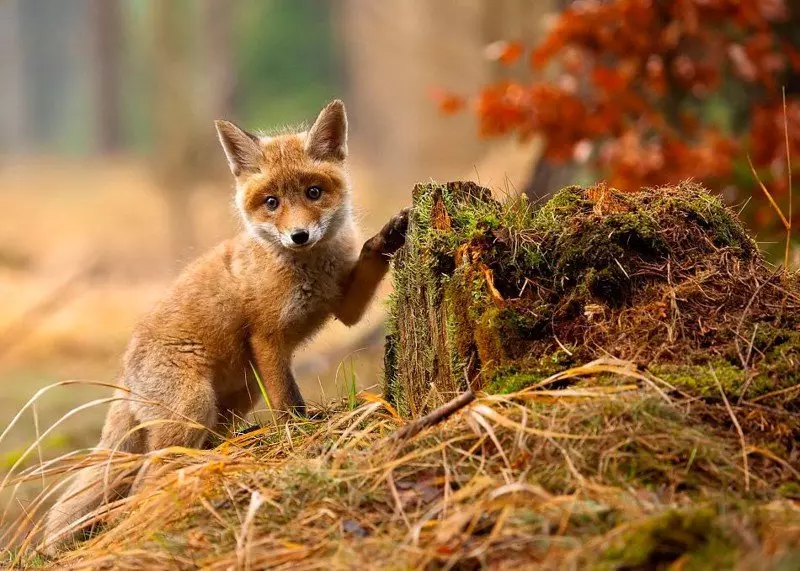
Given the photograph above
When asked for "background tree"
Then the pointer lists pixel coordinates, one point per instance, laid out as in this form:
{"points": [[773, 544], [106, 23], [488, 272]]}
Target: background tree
{"points": [[175, 121], [106, 39]]}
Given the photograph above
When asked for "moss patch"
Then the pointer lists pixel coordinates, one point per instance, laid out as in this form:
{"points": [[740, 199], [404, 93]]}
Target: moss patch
{"points": [[693, 536]]}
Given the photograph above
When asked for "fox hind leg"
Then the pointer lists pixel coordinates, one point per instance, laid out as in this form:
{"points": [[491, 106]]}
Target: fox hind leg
{"points": [[183, 421]]}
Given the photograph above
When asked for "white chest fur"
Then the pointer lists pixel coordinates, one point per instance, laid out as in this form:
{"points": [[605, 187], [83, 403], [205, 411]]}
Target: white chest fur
{"points": [[317, 281]]}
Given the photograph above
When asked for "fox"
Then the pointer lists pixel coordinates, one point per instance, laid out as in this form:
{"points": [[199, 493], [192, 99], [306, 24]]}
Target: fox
{"points": [[247, 304]]}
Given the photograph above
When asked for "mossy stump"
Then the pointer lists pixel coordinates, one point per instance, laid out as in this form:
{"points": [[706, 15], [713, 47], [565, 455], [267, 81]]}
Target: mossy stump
{"points": [[498, 296], [425, 359]]}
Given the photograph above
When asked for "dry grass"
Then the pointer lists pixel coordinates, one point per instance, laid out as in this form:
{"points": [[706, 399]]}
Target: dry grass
{"points": [[614, 469]]}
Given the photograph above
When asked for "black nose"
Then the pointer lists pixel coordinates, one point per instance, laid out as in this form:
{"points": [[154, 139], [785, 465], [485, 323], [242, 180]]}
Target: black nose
{"points": [[299, 237]]}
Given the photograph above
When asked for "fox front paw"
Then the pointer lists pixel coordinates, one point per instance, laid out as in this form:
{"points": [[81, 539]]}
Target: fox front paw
{"points": [[391, 237]]}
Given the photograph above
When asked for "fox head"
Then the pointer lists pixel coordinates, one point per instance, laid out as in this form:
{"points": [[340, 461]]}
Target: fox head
{"points": [[292, 190]]}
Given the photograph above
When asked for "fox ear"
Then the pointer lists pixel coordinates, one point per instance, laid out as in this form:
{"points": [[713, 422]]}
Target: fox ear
{"points": [[240, 147], [327, 138]]}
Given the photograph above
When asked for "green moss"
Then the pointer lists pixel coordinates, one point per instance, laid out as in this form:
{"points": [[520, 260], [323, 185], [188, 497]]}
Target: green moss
{"points": [[693, 536], [488, 340], [513, 382], [767, 337], [776, 371], [597, 247], [522, 374], [711, 213], [702, 379], [564, 205]]}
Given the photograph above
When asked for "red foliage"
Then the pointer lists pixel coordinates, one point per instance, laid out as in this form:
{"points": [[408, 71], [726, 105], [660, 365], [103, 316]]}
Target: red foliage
{"points": [[636, 80]]}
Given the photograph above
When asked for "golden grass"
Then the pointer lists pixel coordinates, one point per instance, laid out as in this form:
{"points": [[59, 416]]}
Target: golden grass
{"points": [[616, 469]]}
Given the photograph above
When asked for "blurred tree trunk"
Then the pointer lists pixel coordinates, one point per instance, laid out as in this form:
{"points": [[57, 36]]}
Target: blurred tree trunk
{"points": [[13, 136], [174, 122], [218, 83], [189, 94], [220, 76], [106, 30], [396, 126], [546, 176], [48, 29]]}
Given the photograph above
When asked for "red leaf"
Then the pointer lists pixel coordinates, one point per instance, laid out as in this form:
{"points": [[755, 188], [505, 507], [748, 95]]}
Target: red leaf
{"points": [[506, 52], [449, 103]]}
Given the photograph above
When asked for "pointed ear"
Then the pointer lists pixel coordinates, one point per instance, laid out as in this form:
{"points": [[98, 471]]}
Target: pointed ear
{"points": [[327, 138], [240, 147]]}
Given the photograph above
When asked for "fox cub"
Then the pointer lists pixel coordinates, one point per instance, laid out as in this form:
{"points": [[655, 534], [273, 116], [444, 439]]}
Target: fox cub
{"points": [[251, 300]]}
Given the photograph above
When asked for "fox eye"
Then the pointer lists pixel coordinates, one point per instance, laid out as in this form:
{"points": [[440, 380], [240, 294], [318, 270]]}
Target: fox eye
{"points": [[271, 202], [313, 192]]}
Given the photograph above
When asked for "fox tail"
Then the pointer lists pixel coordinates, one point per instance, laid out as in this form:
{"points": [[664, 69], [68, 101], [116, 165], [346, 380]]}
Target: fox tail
{"points": [[92, 486]]}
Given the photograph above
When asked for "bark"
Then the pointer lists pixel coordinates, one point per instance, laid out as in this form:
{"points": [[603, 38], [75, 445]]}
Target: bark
{"points": [[426, 362]]}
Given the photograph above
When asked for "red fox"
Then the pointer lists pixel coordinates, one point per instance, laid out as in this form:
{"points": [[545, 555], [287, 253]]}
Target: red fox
{"points": [[248, 302]]}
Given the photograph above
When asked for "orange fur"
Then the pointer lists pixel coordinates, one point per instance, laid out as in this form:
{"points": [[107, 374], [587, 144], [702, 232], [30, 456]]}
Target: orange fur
{"points": [[251, 300]]}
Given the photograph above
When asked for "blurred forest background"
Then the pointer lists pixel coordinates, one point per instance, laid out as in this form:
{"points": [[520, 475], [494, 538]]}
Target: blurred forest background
{"points": [[111, 177]]}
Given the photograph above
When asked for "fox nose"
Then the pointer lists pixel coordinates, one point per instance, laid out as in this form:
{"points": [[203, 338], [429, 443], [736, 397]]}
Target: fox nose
{"points": [[299, 237]]}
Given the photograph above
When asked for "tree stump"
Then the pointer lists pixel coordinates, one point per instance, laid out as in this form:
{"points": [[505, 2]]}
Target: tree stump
{"points": [[498, 296]]}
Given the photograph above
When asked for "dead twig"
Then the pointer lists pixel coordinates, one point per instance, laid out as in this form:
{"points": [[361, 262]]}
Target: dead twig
{"points": [[772, 202], [411, 429], [738, 429]]}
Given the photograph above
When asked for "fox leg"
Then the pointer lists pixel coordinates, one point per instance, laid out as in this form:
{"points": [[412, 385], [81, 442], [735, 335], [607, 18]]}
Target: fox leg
{"points": [[89, 488], [238, 404], [185, 419], [275, 372], [372, 265]]}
